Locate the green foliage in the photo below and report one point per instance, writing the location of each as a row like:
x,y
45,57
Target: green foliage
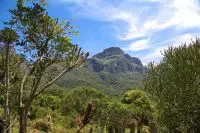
x,y
119,115
1,112
112,84
142,107
138,98
56,90
43,125
46,36
174,83
80,77
136,108
8,35
44,41
47,100
9,58
76,100
111,71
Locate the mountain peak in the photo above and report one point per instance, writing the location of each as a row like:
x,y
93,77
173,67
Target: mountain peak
x,y
114,60
113,50
111,68
109,52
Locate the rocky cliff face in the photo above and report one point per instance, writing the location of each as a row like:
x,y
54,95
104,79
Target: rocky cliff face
x,y
114,60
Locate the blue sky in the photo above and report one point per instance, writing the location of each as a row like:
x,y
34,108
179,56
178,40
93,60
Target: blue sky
x,y
142,28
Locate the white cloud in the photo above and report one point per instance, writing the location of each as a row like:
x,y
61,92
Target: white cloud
x,y
141,19
186,13
145,19
98,10
179,13
138,45
156,54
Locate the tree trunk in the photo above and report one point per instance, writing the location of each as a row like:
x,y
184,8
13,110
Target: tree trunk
x,y
110,129
122,130
91,130
132,129
116,130
7,85
23,120
153,128
138,129
1,126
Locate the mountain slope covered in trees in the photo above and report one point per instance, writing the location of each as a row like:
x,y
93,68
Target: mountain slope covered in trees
x,y
111,70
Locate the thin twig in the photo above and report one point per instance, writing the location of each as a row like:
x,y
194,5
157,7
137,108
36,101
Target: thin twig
x,y
10,125
52,81
1,84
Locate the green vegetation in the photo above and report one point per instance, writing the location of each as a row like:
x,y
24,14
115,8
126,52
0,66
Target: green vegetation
x,y
174,84
41,91
43,43
111,71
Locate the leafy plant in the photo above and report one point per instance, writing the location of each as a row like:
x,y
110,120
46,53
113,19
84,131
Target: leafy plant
x,y
174,83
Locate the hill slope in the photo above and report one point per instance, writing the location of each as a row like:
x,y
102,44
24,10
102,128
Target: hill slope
x,y
112,71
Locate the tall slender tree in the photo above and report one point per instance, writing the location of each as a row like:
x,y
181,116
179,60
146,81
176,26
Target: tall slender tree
x,y
44,41
7,37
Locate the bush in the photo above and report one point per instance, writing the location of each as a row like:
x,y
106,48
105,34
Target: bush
x,y
175,84
43,125
145,129
47,100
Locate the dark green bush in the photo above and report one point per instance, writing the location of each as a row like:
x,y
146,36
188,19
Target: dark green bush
x,y
48,100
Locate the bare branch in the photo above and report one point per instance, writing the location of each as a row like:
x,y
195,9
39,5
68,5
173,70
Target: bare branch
x,y
1,84
53,80
22,87
11,125
72,65
11,86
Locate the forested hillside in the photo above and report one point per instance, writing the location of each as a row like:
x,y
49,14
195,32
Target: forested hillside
x,y
111,71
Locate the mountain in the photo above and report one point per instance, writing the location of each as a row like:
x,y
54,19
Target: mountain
x,y
113,60
112,71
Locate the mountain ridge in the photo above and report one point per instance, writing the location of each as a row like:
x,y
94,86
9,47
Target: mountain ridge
x,y
117,59
111,70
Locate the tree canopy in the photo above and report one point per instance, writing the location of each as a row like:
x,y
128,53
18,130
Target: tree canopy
x,y
174,83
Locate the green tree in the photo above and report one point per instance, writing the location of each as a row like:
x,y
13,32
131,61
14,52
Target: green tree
x,y
174,83
76,100
143,109
118,117
48,101
8,72
75,104
44,41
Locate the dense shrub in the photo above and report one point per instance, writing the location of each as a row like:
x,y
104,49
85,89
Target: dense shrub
x,y
175,84
43,125
48,100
